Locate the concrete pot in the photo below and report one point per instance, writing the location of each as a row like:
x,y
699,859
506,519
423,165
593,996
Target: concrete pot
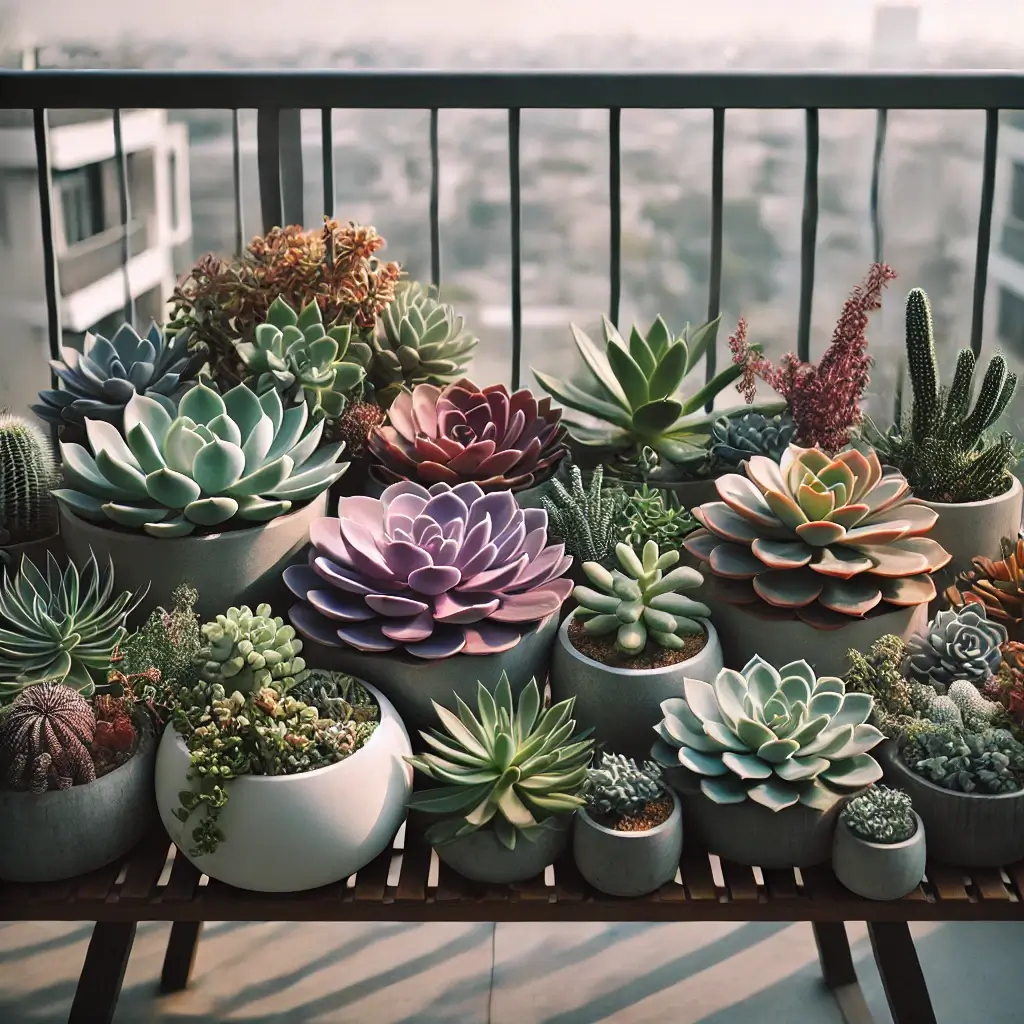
x,y
288,833
411,683
628,863
481,858
624,705
879,871
35,551
970,830
234,567
48,837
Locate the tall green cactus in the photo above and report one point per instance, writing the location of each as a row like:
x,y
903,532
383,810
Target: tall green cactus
x,y
28,472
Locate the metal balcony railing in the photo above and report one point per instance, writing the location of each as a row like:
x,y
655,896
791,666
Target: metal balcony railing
x,y
280,96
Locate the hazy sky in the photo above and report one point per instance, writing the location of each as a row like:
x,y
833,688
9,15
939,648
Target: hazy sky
x,y
335,21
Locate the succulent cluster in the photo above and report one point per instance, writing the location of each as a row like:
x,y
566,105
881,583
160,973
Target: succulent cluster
x,y
880,815
775,736
514,768
618,788
1007,688
641,601
337,696
653,514
997,586
587,519
28,473
988,762
820,537
433,572
116,735
212,459
944,447
879,674
956,644
736,438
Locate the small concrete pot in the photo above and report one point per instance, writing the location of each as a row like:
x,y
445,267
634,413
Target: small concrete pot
x,y
879,871
47,837
628,863
481,858
230,568
624,705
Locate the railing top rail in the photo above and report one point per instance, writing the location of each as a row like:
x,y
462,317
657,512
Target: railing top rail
x,y
307,89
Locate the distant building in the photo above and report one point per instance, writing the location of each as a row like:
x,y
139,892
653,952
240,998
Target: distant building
x,y
1005,299
895,40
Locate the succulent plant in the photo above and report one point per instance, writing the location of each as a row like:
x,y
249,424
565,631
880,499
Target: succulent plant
x,y
60,627
988,762
956,644
248,651
775,736
618,787
115,738
461,432
976,712
295,355
433,572
997,586
879,673
641,601
421,341
354,426
337,696
880,815
653,514
44,738
735,438
28,473
212,459
586,519
820,537
516,769
100,380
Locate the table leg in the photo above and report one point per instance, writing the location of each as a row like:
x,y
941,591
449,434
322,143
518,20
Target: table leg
x,y
902,978
180,955
99,984
834,953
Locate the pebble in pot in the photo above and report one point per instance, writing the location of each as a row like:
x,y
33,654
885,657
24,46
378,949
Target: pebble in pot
x,y
509,778
628,839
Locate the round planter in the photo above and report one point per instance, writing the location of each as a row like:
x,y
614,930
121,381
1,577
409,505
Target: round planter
x,y
48,837
481,858
288,833
231,568
628,863
624,705
879,871
971,830
411,683
35,551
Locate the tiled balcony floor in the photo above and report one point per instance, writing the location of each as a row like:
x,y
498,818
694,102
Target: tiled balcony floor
x,y
514,974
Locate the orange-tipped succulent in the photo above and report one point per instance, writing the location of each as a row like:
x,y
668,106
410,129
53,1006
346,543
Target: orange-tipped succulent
x,y
997,585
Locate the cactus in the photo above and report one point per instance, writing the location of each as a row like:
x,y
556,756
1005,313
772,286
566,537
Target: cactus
x,y
585,519
28,473
976,712
880,815
617,788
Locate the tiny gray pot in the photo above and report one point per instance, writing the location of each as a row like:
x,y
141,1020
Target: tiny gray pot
x,y
879,871
481,858
624,705
47,837
411,683
628,863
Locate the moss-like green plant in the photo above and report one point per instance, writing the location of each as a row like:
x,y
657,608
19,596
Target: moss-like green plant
x,y
880,815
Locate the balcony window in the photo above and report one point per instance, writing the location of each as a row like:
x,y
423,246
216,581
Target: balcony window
x,y
1010,322
81,198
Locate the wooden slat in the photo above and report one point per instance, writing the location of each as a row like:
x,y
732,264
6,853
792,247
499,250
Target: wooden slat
x,y
781,884
989,884
412,881
532,890
372,881
183,881
51,892
1015,871
821,885
451,886
740,882
145,865
947,882
672,892
697,875
570,886
96,885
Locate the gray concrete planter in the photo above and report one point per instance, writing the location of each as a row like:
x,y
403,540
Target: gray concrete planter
x,y
234,567
481,858
48,837
628,863
624,705
411,683
879,871
970,830
35,551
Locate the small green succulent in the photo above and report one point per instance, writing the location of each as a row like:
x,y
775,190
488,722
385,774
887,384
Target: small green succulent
x,y
618,787
735,438
880,815
586,519
653,514
988,762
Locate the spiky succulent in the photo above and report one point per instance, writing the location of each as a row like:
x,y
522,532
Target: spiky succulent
x,y
295,355
516,769
820,537
881,815
956,644
586,519
44,739
420,340
775,736
735,438
212,459
641,601
653,514
61,626
996,586
618,787
433,572
462,432
100,380
28,473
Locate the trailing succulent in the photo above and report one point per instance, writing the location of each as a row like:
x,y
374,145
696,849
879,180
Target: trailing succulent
x,y
996,586
462,432
944,448
880,815
775,736
641,601
585,519
433,572
618,788
818,537
514,769
737,437
212,459
956,644
28,472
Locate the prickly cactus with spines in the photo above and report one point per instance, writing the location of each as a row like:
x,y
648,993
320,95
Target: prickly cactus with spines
x,y
28,472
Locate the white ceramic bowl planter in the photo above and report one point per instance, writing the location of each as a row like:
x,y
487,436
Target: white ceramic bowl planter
x,y
288,833
879,871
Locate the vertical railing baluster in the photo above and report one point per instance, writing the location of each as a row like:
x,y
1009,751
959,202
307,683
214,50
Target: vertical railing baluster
x,y
881,125
293,197
268,162
435,203
125,212
988,191
808,236
715,265
51,272
515,221
327,156
615,211
236,175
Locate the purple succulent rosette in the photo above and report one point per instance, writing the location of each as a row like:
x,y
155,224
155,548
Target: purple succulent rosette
x,y
434,572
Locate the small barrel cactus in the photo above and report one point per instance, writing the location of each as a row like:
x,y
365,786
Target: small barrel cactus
x,y
957,644
976,711
641,602
247,651
28,472
881,815
617,788
735,438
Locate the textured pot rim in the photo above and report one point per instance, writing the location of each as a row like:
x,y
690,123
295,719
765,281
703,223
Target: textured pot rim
x,y
899,765
567,644
673,818
1011,492
914,840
